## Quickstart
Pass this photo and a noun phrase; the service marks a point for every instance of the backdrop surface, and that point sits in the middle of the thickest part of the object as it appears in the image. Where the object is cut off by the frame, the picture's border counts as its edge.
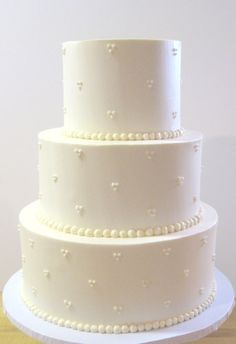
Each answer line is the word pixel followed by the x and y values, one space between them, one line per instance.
pixel 31 33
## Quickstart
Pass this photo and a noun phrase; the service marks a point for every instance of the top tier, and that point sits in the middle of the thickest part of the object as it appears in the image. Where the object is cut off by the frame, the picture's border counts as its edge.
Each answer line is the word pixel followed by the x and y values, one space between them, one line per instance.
pixel 122 89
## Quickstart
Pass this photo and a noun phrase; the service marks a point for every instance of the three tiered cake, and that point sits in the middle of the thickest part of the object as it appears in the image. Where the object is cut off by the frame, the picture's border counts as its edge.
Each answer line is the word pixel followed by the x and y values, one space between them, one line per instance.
pixel 119 240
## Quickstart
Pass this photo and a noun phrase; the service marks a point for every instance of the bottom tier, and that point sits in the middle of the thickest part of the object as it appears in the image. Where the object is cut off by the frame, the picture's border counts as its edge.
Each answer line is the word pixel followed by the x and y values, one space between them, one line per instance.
pixel 117 285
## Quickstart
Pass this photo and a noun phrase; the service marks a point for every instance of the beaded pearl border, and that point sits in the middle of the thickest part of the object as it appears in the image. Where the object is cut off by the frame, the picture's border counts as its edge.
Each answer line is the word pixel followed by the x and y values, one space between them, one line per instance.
pixel 122 328
pixel 159 135
pixel 115 233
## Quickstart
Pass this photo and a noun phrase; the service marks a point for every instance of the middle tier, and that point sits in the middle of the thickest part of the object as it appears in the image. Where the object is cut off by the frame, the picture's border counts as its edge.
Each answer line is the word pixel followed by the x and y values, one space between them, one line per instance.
pixel 130 188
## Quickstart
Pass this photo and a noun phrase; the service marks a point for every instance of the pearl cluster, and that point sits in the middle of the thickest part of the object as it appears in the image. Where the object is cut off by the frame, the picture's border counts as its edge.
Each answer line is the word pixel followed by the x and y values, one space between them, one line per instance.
pixel 121 328
pixel 160 135
pixel 115 233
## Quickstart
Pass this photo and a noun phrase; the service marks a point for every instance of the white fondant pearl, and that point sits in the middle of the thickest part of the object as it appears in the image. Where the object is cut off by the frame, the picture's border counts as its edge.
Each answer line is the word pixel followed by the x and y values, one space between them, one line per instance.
pixel 157 231
pixel 61 322
pixel 169 322
pixel 74 325
pixel 162 323
pixel 108 137
pixel 124 329
pixel 164 230
pixel 123 234
pixel 146 136
pixel 156 325
pixel 123 136
pixel 80 327
pixel 140 233
pixel 138 136
pixel 116 329
pixel 74 230
pixel 132 233
pixel 93 328
pixel 87 327
pixel 108 329
pixel 114 233
pixel 149 232
pixel 148 326
pixel 175 320
pixel 186 316
pixel 98 233
pixel 171 229
pixel 191 314
pixel 88 232
pixel 68 324
pixel 81 231
pixel 101 136
pixel 106 233
pixel 180 318
pixel 115 136
pixel 141 327
pixel 131 136
pixel 133 328
pixel 101 328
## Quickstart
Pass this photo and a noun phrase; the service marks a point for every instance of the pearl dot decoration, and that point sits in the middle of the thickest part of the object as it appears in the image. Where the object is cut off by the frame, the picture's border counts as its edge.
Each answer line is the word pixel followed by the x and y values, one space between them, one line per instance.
pixel 174 51
pixel 167 251
pixel 105 136
pixel 115 186
pixel 46 273
pixel 64 252
pixel 116 233
pixel 174 115
pixel 63 51
pixel 111 47
pixel 79 209
pixel 180 180
pixel 111 114
pixel 150 83
pixel 31 243
pixel 201 290
pixel 117 309
pixel 150 155
pixel 34 291
pixel 186 272
pixel 213 257
pixel 204 240
pixel 80 85
pixel 91 283
pixel 122 328
pixel 23 259
pixel 117 256
pixel 79 152
pixel 196 147
pixel 146 283
pixel 167 303
pixel 68 304
pixel 54 178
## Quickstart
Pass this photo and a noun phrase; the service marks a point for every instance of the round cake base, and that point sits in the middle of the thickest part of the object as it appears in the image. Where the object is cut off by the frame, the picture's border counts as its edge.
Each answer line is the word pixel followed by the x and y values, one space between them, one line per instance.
pixel 194 329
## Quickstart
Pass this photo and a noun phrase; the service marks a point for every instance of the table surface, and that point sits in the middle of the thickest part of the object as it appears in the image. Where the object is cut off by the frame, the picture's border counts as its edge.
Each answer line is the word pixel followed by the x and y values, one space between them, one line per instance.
pixel 11 335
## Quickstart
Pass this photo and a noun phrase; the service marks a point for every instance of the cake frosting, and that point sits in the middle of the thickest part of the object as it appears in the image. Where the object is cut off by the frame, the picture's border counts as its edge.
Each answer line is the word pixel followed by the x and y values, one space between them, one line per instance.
pixel 119 240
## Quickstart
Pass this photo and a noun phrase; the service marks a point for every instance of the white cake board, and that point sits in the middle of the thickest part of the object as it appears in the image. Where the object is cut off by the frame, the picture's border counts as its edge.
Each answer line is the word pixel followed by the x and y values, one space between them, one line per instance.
pixel 194 329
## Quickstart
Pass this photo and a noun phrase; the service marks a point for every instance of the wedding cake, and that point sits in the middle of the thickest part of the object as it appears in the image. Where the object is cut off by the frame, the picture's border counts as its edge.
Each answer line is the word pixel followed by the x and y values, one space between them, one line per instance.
pixel 119 240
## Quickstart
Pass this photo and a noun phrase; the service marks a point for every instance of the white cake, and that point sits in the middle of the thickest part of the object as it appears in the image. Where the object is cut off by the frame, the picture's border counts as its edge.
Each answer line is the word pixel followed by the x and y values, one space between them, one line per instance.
pixel 119 240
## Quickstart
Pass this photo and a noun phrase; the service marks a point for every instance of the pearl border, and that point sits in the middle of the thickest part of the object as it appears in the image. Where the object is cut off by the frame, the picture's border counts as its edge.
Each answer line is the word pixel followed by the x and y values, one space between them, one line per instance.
pixel 99 136
pixel 115 233
pixel 122 328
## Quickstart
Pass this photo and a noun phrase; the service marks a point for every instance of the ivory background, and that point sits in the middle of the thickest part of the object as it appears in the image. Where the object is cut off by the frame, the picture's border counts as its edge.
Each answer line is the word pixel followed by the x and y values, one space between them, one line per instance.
pixel 31 33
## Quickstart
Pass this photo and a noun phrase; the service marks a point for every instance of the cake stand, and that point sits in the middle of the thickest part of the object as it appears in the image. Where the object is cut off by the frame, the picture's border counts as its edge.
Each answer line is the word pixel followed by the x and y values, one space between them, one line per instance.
pixel 194 329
